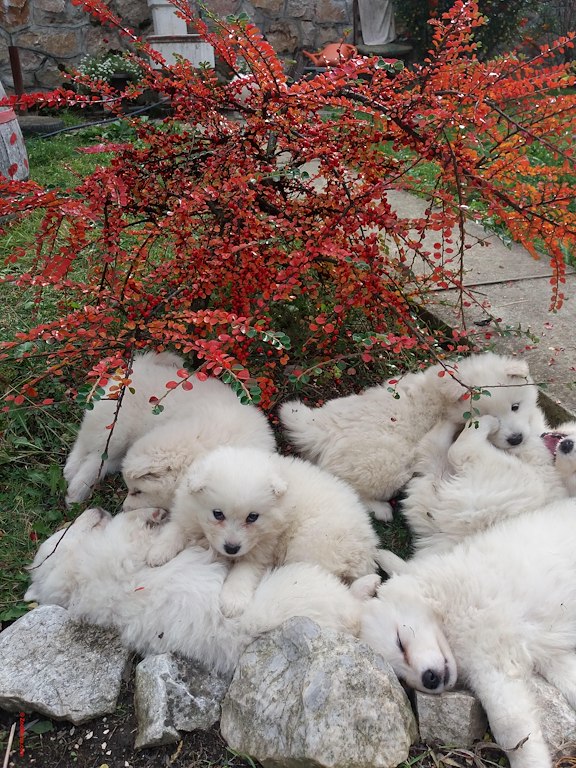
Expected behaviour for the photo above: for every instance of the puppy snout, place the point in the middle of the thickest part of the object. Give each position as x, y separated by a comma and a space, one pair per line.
566, 445
515, 439
431, 679
231, 549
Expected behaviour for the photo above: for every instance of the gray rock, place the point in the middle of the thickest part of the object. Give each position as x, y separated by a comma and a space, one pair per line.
55, 666
174, 694
557, 718
305, 696
454, 718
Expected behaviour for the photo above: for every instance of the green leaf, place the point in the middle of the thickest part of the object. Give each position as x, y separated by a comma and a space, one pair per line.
42, 726
15, 612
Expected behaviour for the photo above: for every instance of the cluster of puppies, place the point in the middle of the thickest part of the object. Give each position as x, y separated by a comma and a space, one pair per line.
222, 538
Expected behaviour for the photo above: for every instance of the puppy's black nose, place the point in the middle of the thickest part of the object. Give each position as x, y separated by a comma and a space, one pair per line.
566, 445
515, 439
231, 549
431, 680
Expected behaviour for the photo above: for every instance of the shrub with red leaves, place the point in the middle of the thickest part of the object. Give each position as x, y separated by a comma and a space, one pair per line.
255, 246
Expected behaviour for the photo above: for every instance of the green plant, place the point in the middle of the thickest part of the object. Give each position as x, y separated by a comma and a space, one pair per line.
104, 67
503, 20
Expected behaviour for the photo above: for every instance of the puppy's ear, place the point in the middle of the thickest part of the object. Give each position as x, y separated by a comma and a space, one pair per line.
147, 468
196, 479
450, 387
278, 484
517, 368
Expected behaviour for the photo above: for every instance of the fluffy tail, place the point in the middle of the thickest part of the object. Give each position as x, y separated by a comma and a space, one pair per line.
303, 427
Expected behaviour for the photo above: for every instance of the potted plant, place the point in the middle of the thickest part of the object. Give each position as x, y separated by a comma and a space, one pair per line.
115, 67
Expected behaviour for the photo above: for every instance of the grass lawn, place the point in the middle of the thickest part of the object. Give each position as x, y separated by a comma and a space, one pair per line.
33, 441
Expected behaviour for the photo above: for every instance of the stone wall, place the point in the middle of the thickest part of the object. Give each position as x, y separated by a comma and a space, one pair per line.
52, 34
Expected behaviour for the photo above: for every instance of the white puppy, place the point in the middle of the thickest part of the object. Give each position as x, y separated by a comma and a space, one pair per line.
95, 568
370, 439
466, 484
98, 451
154, 463
504, 602
257, 509
561, 443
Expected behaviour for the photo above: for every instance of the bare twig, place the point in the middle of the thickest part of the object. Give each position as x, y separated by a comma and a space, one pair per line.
9, 746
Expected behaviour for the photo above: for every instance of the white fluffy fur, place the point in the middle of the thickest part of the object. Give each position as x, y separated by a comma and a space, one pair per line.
369, 439
96, 569
465, 485
257, 509
154, 463
150, 372
504, 602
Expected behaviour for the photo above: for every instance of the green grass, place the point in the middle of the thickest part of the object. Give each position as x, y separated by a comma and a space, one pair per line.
34, 441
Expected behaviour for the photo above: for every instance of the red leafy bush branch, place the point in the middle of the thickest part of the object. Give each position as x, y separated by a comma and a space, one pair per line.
208, 236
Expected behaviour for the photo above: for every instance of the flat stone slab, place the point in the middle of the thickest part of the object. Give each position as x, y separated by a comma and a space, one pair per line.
57, 667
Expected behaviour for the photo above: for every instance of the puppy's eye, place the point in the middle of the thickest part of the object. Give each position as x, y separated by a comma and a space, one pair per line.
252, 517
515, 406
399, 643
135, 493
218, 514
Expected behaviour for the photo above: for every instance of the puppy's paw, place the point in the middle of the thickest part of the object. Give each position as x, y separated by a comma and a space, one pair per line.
381, 510
365, 587
155, 515
490, 424
159, 553
152, 516
233, 603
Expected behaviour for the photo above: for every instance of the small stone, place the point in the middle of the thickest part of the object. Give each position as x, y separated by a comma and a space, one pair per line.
454, 718
173, 694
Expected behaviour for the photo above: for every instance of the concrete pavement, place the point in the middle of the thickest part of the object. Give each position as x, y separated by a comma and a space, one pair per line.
516, 291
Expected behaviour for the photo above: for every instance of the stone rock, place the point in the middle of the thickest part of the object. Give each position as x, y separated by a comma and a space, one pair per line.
268, 6
330, 11
300, 9
16, 13
59, 668
454, 718
62, 44
283, 36
305, 696
173, 694
557, 718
